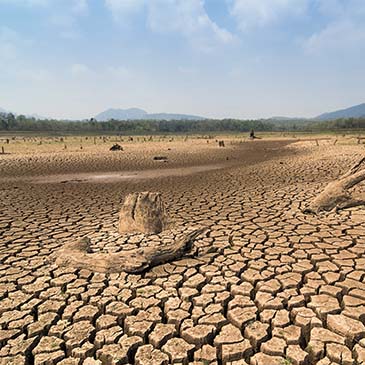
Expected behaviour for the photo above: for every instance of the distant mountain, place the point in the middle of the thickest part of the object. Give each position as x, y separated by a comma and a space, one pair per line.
171, 116
121, 114
356, 111
135, 114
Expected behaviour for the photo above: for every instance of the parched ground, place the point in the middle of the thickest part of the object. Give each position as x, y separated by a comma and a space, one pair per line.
277, 286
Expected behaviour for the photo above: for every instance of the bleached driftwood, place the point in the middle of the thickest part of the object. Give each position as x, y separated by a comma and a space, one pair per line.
336, 194
79, 255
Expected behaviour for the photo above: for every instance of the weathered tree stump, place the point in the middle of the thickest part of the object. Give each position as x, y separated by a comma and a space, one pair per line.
116, 147
142, 212
336, 194
252, 135
78, 255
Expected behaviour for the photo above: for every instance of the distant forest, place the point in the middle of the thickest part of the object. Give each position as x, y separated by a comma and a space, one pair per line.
9, 122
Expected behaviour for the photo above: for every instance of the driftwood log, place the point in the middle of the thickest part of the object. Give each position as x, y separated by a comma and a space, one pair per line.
142, 212
336, 194
79, 255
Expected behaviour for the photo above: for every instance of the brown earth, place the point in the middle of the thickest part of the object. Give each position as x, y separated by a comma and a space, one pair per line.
277, 286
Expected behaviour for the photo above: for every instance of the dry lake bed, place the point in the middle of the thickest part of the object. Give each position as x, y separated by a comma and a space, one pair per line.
269, 284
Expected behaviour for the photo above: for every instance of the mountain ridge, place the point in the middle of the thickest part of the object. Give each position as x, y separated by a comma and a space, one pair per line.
356, 111
137, 114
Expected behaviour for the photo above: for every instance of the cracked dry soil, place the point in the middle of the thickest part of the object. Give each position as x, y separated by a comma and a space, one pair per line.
279, 287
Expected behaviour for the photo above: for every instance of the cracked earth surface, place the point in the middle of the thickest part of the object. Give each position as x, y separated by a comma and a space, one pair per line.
279, 287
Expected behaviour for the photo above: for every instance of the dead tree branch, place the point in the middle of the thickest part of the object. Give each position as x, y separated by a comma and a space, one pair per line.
336, 194
78, 255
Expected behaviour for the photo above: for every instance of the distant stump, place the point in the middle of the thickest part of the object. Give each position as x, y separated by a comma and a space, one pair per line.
116, 147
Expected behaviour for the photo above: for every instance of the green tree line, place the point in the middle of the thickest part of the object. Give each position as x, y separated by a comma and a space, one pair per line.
10, 122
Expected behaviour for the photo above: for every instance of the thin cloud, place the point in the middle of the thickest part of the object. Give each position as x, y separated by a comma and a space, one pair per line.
34, 75
29, 3
186, 18
62, 14
110, 73
187, 70
251, 14
76, 6
345, 28
79, 69
8, 38
122, 9
10, 44
341, 35
80, 7
120, 72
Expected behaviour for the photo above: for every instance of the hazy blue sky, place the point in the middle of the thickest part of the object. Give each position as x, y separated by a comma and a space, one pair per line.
216, 58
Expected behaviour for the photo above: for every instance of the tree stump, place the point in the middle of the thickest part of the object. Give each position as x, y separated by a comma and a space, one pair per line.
142, 212
336, 194
252, 135
116, 147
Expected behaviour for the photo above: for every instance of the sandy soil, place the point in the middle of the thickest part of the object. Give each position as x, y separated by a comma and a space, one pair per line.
25, 160
280, 287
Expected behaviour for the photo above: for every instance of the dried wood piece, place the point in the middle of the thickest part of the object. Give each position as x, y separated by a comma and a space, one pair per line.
336, 194
142, 212
78, 255
116, 147
160, 158
252, 135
